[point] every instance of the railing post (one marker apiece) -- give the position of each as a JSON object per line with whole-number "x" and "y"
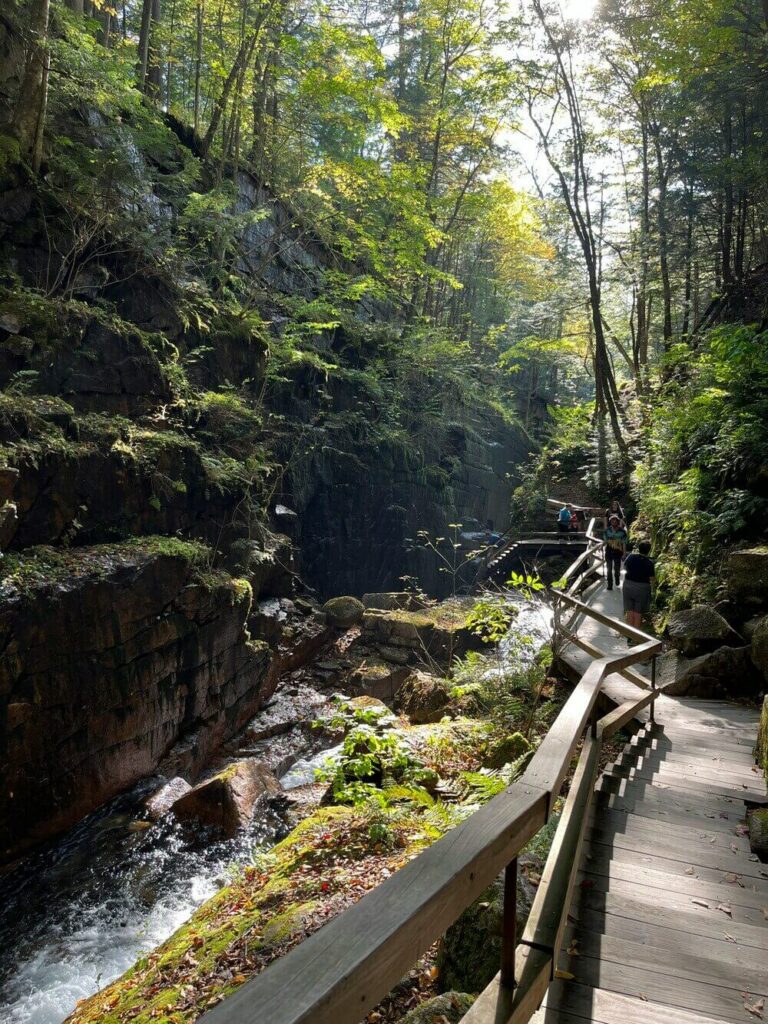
{"x": 509, "y": 926}
{"x": 653, "y": 687}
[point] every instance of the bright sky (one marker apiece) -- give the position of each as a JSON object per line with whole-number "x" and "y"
{"x": 578, "y": 9}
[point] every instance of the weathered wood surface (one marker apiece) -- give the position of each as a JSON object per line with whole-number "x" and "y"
{"x": 669, "y": 919}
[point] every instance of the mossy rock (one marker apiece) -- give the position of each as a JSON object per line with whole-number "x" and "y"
{"x": 284, "y": 925}
{"x": 507, "y": 750}
{"x": 343, "y": 612}
{"x": 761, "y": 750}
{"x": 759, "y": 646}
{"x": 423, "y": 698}
{"x": 448, "y": 1008}
{"x": 758, "y": 832}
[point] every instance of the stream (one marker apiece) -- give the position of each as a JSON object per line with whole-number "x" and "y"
{"x": 78, "y": 914}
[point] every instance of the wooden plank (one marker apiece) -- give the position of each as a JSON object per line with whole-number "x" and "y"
{"x": 603, "y": 890}
{"x": 673, "y": 805}
{"x": 615, "y": 720}
{"x": 667, "y": 922}
{"x": 699, "y": 853}
{"x": 688, "y": 959}
{"x": 713, "y": 1000}
{"x": 694, "y": 888}
{"x": 618, "y": 823}
{"x": 599, "y": 855}
{"x": 352, "y": 962}
{"x": 642, "y": 777}
{"x": 616, "y": 1008}
{"x": 683, "y": 731}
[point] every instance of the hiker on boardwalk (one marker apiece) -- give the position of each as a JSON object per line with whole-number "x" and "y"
{"x": 637, "y": 589}
{"x": 564, "y": 519}
{"x": 615, "y": 509}
{"x": 615, "y": 538}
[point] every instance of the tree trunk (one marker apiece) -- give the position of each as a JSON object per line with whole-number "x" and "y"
{"x": 198, "y": 62}
{"x": 146, "y": 21}
{"x": 241, "y": 61}
{"x": 154, "y": 69}
{"x": 29, "y": 118}
{"x": 661, "y": 223}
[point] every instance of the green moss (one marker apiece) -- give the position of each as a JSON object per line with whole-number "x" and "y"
{"x": 262, "y": 910}
{"x": 43, "y": 566}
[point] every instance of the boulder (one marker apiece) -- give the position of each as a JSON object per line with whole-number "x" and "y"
{"x": 758, "y": 832}
{"x": 759, "y": 647}
{"x": 394, "y": 600}
{"x": 469, "y": 955}
{"x": 343, "y": 612}
{"x": 726, "y": 672}
{"x": 698, "y": 630}
{"x": 748, "y": 574}
{"x": 164, "y": 798}
{"x": 507, "y": 750}
{"x": 423, "y": 698}
{"x": 448, "y": 1008}
{"x": 227, "y": 800}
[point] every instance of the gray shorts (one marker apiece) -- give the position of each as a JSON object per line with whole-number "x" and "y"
{"x": 636, "y": 596}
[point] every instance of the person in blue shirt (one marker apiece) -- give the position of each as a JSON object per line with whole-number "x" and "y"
{"x": 564, "y": 519}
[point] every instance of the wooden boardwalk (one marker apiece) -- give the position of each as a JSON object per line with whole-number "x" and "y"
{"x": 669, "y": 919}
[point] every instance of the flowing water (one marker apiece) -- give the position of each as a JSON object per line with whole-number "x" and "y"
{"x": 77, "y": 915}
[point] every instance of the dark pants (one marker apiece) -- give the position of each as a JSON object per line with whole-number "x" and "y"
{"x": 562, "y": 527}
{"x": 613, "y": 566}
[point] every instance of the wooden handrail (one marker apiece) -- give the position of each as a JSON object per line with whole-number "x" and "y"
{"x": 350, "y": 964}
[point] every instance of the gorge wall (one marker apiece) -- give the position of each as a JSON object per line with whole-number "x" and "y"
{"x": 150, "y": 472}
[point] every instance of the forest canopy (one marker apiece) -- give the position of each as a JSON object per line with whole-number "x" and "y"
{"x": 566, "y": 194}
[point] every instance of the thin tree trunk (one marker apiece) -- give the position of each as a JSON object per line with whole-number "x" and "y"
{"x": 146, "y": 21}
{"x": 29, "y": 119}
{"x": 241, "y": 60}
{"x": 198, "y": 62}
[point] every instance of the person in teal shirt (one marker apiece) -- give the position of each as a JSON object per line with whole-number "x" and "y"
{"x": 564, "y": 519}
{"x": 615, "y": 538}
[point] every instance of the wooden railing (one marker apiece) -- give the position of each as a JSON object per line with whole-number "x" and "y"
{"x": 337, "y": 974}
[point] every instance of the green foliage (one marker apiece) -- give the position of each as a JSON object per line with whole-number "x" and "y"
{"x": 707, "y": 439}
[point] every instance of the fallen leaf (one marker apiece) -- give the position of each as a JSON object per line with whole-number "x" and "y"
{"x": 728, "y": 937}
{"x": 643, "y": 996}
{"x": 700, "y": 903}
{"x": 690, "y": 871}
{"x": 726, "y": 908}
{"x": 756, "y": 1009}
{"x": 564, "y": 975}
